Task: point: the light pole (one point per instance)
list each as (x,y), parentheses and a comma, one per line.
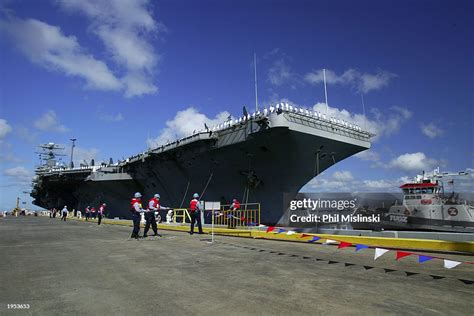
(26,196)
(73,140)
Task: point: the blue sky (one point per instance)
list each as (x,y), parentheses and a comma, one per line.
(123,75)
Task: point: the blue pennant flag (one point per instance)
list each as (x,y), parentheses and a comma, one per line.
(252,224)
(422,259)
(229,215)
(315,238)
(280,230)
(359,247)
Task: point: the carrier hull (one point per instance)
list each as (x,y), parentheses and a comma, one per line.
(252,162)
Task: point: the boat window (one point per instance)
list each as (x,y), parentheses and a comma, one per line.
(406,191)
(429,190)
(423,191)
(411,191)
(417,191)
(418,197)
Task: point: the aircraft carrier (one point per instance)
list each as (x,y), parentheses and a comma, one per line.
(257,157)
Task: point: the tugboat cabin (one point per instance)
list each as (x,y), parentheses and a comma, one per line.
(415,191)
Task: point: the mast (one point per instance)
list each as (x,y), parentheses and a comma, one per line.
(325,92)
(255,72)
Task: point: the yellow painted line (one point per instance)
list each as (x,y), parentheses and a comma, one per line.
(386,242)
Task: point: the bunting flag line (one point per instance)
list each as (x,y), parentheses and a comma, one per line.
(379,252)
(422,258)
(270,228)
(344,244)
(449,264)
(402,254)
(315,238)
(360,246)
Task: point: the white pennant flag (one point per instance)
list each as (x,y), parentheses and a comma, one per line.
(330,241)
(291,232)
(379,252)
(449,264)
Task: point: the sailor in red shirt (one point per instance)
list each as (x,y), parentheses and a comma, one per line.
(234,215)
(153,205)
(195,211)
(136,209)
(101,212)
(93,214)
(235,205)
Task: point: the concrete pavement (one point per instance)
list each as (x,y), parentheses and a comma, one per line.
(82,268)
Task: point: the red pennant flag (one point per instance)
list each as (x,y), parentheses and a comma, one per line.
(242,218)
(305,235)
(401,254)
(344,244)
(270,228)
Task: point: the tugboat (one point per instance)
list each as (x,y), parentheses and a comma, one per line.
(425,206)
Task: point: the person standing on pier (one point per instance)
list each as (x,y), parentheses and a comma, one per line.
(101,212)
(195,210)
(88,212)
(64,211)
(93,215)
(136,209)
(153,205)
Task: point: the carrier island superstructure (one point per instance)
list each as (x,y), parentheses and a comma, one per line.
(258,157)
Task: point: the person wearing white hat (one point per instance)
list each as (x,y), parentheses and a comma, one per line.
(136,209)
(64,212)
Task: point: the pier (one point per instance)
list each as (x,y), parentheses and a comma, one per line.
(79,267)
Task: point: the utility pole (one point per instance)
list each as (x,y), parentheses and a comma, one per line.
(73,140)
(26,196)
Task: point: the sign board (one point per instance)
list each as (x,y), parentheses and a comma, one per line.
(210,206)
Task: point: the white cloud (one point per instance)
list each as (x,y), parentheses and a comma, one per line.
(81,154)
(50,122)
(185,123)
(125,28)
(368,155)
(363,82)
(280,72)
(413,162)
(19,175)
(111,117)
(342,176)
(377,184)
(431,130)
(5,128)
(382,125)
(321,184)
(47,46)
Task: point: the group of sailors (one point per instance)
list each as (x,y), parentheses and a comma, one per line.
(63,213)
(195,209)
(90,213)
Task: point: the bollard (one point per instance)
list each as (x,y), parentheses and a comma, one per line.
(169,217)
(79,214)
(142,215)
